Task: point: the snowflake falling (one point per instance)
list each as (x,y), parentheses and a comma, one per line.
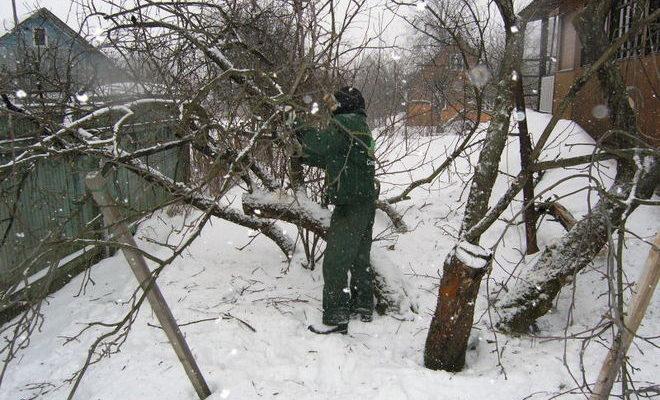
(514,75)
(600,111)
(396,56)
(520,115)
(20,93)
(82,97)
(514,29)
(98,36)
(307,99)
(315,108)
(479,76)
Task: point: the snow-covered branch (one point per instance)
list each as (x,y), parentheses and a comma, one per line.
(393,292)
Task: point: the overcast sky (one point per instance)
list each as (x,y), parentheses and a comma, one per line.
(377,17)
(25,7)
(66,10)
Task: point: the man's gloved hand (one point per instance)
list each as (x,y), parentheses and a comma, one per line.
(330,102)
(290,117)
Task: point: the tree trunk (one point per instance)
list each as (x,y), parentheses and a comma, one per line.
(446,342)
(534,293)
(529,213)
(450,330)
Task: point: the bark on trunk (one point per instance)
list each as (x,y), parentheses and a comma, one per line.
(450,330)
(529,214)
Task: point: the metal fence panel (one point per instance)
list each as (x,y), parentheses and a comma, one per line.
(44,209)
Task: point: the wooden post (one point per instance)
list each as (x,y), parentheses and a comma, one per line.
(643,294)
(96,184)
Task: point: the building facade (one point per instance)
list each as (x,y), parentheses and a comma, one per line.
(44,55)
(439,91)
(561,61)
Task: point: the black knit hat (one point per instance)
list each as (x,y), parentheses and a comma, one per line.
(350,101)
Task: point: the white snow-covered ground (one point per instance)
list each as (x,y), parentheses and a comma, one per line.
(381,360)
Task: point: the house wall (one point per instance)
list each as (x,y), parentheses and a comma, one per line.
(438,92)
(423,114)
(640,78)
(638,73)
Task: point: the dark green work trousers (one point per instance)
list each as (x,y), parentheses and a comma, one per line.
(347,250)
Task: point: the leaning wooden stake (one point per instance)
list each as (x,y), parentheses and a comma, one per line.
(120,233)
(645,288)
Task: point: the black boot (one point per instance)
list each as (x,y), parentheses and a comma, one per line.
(323,329)
(363,314)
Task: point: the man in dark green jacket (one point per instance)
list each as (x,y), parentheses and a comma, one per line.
(345,150)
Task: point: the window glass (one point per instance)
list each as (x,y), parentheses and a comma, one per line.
(39,36)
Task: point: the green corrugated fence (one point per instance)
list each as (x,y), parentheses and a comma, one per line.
(45,213)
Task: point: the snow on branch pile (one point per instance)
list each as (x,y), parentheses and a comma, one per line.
(299,210)
(393,292)
(534,292)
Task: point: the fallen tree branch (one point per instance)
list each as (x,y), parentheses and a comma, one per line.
(392,291)
(396,218)
(207,204)
(559,213)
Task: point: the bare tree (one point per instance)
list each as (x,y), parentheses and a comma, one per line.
(228,79)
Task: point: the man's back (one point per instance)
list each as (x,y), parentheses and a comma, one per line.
(345,151)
